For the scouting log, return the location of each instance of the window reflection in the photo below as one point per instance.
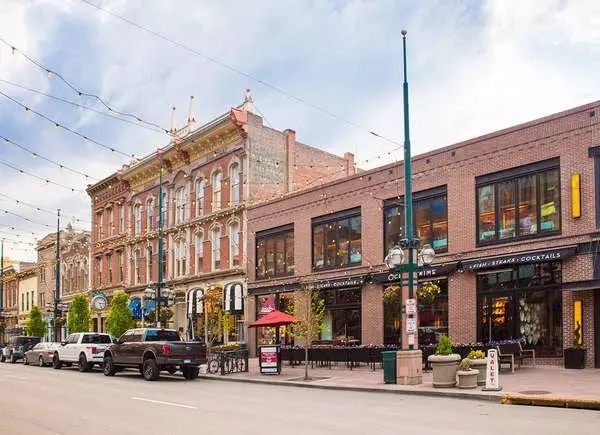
(275, 254)
(337, 242)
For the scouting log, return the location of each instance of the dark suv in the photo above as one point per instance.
(17, 346)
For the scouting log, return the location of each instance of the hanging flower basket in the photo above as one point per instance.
(392, 294)
(428, 292)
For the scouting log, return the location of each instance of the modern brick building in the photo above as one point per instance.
(211, 173)
(514, 217)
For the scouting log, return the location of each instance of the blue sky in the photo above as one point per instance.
(474, 67)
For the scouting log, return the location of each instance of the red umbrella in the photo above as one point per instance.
(274, 318)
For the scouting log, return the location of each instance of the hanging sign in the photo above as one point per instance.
(411, 325)
(492, 377)
(411, 306)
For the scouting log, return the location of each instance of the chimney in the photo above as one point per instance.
(191, 116)
(173, 124)
(290, 157)
(349, 158)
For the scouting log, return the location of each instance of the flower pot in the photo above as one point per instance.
(574, 358)
(467, 378)
(481, 366)
(444, 369)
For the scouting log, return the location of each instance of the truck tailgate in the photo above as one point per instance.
(187, 350)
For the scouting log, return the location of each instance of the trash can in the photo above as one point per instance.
(389, 366)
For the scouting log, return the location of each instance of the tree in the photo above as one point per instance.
(309, 308)
(36, 326)
(120, 317)
(78, 319)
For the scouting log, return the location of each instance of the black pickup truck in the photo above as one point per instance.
(153, 350)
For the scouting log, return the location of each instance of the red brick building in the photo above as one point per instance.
(516, 257)
(211, 173)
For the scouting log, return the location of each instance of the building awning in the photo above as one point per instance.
(195, 302)
(433, 271)
(527, 257)
(233, 298)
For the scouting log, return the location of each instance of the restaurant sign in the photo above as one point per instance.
(520, 258)
(351, 281)
(422, 272)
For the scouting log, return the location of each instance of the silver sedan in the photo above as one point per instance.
(41, 354)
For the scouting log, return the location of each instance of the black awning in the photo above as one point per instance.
(195, 302)
(527, 257)
(435, 270)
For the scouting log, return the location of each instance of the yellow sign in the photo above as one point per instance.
(576, 195)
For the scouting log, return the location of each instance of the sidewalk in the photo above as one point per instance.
(541, 385)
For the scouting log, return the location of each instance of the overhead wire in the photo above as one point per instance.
(46, 180)
(46, 210)
(25, 218)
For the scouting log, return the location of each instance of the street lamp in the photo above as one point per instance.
(151, 293)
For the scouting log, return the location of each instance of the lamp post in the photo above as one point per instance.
(160, 241)
(57, 283)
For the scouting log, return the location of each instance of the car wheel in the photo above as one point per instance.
(109, 366)
(41, 362)
(56, 364)
(83, 364)
(190, 372)
(151, 371)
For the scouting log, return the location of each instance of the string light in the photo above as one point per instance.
(22, 171)
(25, 218)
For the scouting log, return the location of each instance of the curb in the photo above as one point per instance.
(439, 394)
(551, 401)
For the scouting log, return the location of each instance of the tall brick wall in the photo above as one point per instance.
(372, 314)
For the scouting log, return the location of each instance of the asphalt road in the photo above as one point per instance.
(43, 401)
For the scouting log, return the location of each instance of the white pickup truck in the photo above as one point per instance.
(83, 348)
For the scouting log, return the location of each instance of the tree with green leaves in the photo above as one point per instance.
(78, 319)
(309, 308)
(120, 317)
(36, 326)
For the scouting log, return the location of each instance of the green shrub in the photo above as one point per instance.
(444, 346)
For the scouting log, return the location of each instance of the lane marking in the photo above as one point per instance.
(159, 402)
(21, 378)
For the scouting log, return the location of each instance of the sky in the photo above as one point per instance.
(333, 71)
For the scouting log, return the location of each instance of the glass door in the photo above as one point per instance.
(496, 319)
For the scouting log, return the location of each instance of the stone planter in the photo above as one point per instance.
(481, 365)
(467, 378)
(444, 369)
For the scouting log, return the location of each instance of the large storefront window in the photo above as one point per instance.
(522, 302)
(342, 324)
(519, 203)
(337, 240)
(275, 252)
(430, 209)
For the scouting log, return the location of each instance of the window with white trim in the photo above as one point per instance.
(216, 188)
(99, 219)
(137, 215)
(216, 248)
(200, 185)
(150, 215)
(109, 218)
(180, 205)
(137, 265)
(149, 255)
(234, 181)
(199, 252)
(234, 244)
(180, 258)
(121, 218)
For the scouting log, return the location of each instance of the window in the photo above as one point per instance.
(150, 215)
(430, 217)
(99, 271)
(164, 260)
(137, 214)
(180, 205)
(121, 218)
(199, 252)
(164, 209)
(200, 185)
(519, 203)
(110, 223)
(149, 264)
(342, 320)
(27, 299)
(275, 252)
(336, 240)
(216, 248)
(137, 261)
(110, 269)
(120, 262)
(522, 302)
(43, 274)
(234, 180)
(99, 219)
(216, 187)
(180, 258)
(234, 244)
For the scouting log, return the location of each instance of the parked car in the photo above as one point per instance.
(41, 354)
(153, 350)
(17, 346)
(86, 349)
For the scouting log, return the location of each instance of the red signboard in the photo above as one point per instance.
(269, 360)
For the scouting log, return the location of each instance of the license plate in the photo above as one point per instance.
(187, 361)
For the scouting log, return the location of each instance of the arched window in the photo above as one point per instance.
(234, 179)
(200, 184)
(180, 205)
(216, 248)
(216, 187)
(150, 215)
(137, 213)
(180, 258)
(199, 252)
(234, 244)
(109, 221)
(149, 262)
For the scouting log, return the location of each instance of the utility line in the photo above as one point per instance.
(46, 180)
(45, 210)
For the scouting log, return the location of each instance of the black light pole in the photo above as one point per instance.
(160, 242)
(57, 275)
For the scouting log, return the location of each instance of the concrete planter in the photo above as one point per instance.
(467, 378)
(444, 369)
(481, 366)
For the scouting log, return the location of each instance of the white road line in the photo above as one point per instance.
(164, 403)
(21, 378)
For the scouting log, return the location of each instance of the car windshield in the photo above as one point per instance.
(162, 335)
(96, 339)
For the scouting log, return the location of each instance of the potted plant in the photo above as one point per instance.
(467, 377)
(575, 356)
(478, 361)
(444, 364)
